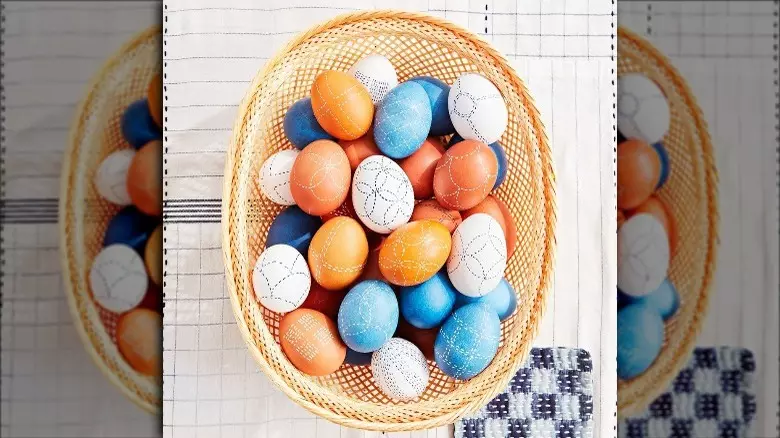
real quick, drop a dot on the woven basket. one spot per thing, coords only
(84, 215)
(416, 44)
(691, 194)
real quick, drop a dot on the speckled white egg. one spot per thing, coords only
(477, 109)
(382, 194)
(377, 74)
(118, 278)
(275, 177)
(643, 112)
(111, 177)
(281, 278)
(643, 255)
(478, 256)
(400, 370)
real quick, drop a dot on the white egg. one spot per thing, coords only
(118, 278)
(478, 256)
(400, 369)
(281, 278)
(382, 194)
(477, 109)
(643, 255)
(643, 112)
(275, 177)
(377, 74)
(111, 177)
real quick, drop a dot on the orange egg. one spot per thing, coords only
(345, 209)
(138, 339)
(338, 253)
(144, 178)
(153, 255)
(341, 105)
(153, 298)
(465, 175)
(311, 341)
(431, 209)
(323, 300)
(420, 166)
(320, 177)
(638, 170)
(359, 149)
(621, 217)
(154, 99)
(511, 228)
(496, 209)
(414, 252)
(654, 206)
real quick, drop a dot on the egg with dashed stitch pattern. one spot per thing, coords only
(400, 370)
(478, 258)
(382, 194)
(320, 177)
(368, 316)
(414, 252)
(658, 209)
(431, 209)
(377, 74)
(468, 341)
(144, 178)
(477, 109)
(638, 173)
(465, 175)
(497, 210)
(419, 167)
(311, 342)
(338, 253)
(138, 339)
(403, 120)
(275, 177)
(342, 105)
(280, 278)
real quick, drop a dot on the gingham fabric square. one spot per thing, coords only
(711, 397)
(550, 396)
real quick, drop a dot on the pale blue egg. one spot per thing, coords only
(640, 335)
(300, 125)
(665, 299)
(402, 120)
(428, 304)
(467, 341)
(502, 299)
(368, 316)
(438, 92)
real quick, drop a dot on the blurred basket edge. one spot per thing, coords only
(83, 310)
(308, 392)
(636, 394)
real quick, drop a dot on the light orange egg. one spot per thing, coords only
(621, 217)
(320, 177)
(154, 99)
(465, 175)
(414, 252)
(654, 206)
(511, 228)
(338, 253)
(138, 340)
(359, 149)
(311, 341)
(144, 178)
(420, 166)
(153, 255)
(638, 170)
(431, 209)
(342, 105)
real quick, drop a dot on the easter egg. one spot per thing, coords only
(490, 207)
(137, 125)
(275, 177)
(464, 175)
(152, 299)
(431, 209)
(320, 177)
(338, 253)
(118, 278)
(664, 298)
(111, 177)
(663, 157)
(640, 335)
(400, 370)
(497, 149)
(655, 207)
(477, 109)
(281, 279)
(478, 258)
(300, 125)
(638, 170)
(419, 167)
(502, 299)
(622, 299)
(642, 109)
(382, 195)
(342, 105)
(293, 227)
(323, 300)
(414, 252)
(138, 338)
(403, 120)
(310, 340)
(153, 255)
(424, 339)
(144, 179)
(377, 74)
(368, 316)
(130, 227)
(355, 358)
(468, 341)
(511, 227)
(154, 98)
(346, 209)
(359, 149)
(621, 217)
(643, 255)
(429, 303)
(437, 92)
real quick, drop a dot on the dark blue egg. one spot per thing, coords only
(502, 299)
(368, 316)
(665, 299)
(620, 137)
(438, 92)
(665, 165)
(467, 341)
(300, 125)
(497, 149)
(428, 304)
(640, 335)
(402, 120)
(130, 227)
(293, 227)
(138, 126)
(355, 358)
(623, 299)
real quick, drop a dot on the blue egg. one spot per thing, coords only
(497, 149)
(130, 227)
(355, 358)
(438, 92)
(300, 125)
(368, 316)
(640, 335)
(293, 227)
(426, 305)
(623, 299)
(502, 299)
(467, 341)
(402, 120)
(138, 126)
(665, 299)
(665, 166)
